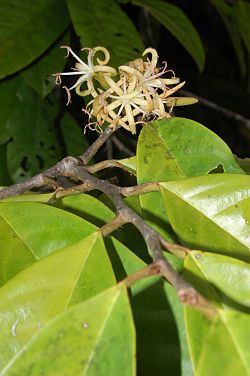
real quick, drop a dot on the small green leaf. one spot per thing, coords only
(95, 337)
(211, 212)
(30, 231)
(27, 30)
(104, 23)
(175, 20)
(49, 287)
(226, 349)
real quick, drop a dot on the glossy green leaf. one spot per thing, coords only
(39, 74)
(30, 197)
(98, 213)
(175, 20)
(34, 145)
(156, 308)
(49, 287)
(211, 212)
(75, 141)
(134, 203)
(230, 277)
(95, 337)
(226, 349)
(30, 231)
(89, 208)
(27, 30)
(197, 325)
(172, 149)
(129, 163)
(103, 23)
(219, 279)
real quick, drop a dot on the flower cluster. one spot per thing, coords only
(135, 93)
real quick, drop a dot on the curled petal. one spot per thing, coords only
(126, 69)
(58, 80)
(106, 55)
(108, 70)
(154, 55)
(68, 94)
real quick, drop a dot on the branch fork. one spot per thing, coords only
(76, 168)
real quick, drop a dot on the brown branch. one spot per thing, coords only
(139, 189)
(111, 163)
(73, 167)
(93, 149)
(61, 168)
(224, 111)
(185, 290)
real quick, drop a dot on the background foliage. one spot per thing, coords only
(55, 307)
(36, 128)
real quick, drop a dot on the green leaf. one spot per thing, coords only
(229, 276)
(104, 23)
(197, 325)
(98, 213)
(211, 212)
(130, 163)
(172, 149)
(95, 337)
(89, 208)
(244, 163)
(226, 349)
(27, 30)
(224, 281)
(242, 13)
(39, 74)
(4, 173)
(49, 287)
(157, 308)
(175, 20)
(8, 90)
(75, 141)
(30, 231)
(34, 145)
(228, 16)
(30, 197)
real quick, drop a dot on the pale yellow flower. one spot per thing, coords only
(86, 71)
